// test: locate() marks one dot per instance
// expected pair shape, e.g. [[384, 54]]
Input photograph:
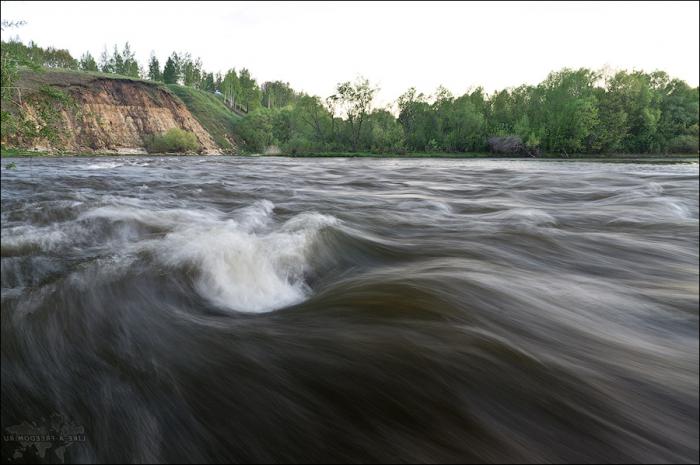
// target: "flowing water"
[[271, 309]]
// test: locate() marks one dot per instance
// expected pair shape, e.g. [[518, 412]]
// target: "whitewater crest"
[[249, 263], [243, 260]]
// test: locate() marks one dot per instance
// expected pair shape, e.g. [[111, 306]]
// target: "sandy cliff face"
[[109, 115]]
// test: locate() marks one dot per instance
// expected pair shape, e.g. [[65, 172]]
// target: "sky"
[[314, 45]]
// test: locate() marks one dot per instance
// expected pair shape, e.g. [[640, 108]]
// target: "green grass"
[[32, 80], [387, 155], [211, 113], [549, 156], [19, 153]]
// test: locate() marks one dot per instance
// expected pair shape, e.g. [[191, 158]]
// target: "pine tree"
[[170, 74], [117, 62], [130, 65], [154, 73], [106, 65]]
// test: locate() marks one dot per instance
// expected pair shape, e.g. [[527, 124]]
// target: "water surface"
[[272, 309]]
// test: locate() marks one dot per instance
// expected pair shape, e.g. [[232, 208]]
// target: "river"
[[274, 309]]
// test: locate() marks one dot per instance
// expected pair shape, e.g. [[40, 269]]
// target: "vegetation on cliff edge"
[[211, 113]]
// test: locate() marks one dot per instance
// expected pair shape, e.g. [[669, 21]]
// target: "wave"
[[105, 165], [245, 261], [243, 270]]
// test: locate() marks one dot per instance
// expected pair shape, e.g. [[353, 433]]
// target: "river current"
[[232, 309]]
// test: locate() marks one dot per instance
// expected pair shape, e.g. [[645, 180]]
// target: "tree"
[[256, 130], [317, 119], [634, 94], [568, 111], [419, 121], [87, 62], [130, 66], [170, 72], [277, 94], [190, 70], [249, 90], [355, 98], [117, 62], [59, 58], [385, 134], [208, 83], [462, 124], [106, 65], [9, 63], [678, 126], [231, 88], [154, 73]]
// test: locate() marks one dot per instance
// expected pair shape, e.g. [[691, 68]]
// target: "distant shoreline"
[[17, 153]]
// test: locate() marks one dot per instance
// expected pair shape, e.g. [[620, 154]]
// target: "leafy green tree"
[[87, 62], [463, 126], [277, 94], [612, 127], [256, 130], [568, 110], [208, 82], [314, 118], [191, 70], [249, 91], [633, 93], [385, 134], [418, 119], [355, 99], [678, 126], [231, 88]]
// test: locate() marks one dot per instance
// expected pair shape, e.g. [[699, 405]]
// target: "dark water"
[[224, 309]]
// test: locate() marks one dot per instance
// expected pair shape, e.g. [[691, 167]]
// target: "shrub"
[[174, 140], [683, 144]]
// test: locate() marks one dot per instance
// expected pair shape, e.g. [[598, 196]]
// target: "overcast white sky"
[[396, 45]]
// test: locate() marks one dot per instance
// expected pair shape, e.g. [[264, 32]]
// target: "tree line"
[[571, 111]]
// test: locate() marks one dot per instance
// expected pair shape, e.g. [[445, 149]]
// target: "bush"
[[174, 140], [683, 144]]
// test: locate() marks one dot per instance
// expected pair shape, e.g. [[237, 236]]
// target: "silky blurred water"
[[279, 310]]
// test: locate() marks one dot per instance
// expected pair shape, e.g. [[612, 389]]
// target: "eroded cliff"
[[80, 112]]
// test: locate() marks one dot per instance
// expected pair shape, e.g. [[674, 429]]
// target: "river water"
[[271, 309]]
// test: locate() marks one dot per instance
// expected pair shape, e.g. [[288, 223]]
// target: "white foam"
[[242, 268], [44, 238], [166, 218], [255, 217], [105, 165]]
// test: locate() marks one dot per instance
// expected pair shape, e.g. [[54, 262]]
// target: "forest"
[[573, 111]]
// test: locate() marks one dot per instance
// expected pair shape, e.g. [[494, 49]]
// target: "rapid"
[[232, 309]]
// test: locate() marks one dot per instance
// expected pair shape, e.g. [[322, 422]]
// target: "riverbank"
[[613, 158]]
